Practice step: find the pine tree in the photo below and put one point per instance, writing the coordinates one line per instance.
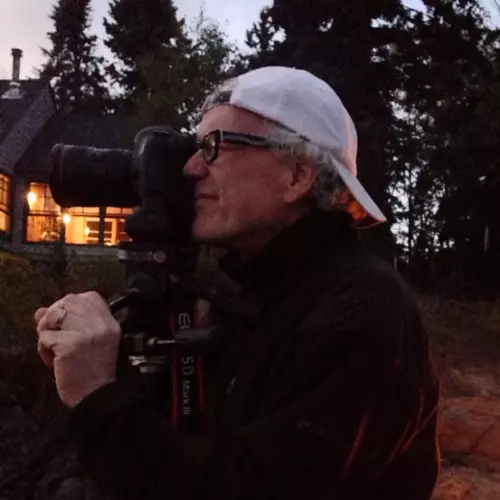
(449, 86)
(421, 86)
(75, 71)
(176, 78)
(347, 44)
(138, 32)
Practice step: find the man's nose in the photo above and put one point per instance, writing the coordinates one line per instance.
(196, 168)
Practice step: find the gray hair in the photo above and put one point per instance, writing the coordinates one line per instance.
(328, 185)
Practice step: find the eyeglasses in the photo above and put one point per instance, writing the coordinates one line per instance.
(210, 144)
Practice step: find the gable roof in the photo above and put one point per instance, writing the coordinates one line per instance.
(111, 131)
(12, 109)
(26, 108)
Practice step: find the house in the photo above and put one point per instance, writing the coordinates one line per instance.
(30, 125)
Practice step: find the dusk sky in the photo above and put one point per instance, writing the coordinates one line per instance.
(24, 24)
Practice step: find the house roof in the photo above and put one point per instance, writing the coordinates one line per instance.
(12, 109)
(78, 129)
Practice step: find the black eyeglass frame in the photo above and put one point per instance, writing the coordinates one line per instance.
(219, 136)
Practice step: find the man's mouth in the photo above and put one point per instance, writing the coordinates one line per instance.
(204, 196)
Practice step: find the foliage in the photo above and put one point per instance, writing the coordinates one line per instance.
(25, 287)
(28, 285)
(347, 44)
(104, 275)
(73, 67)
(179, 77)
(137, 31)
(422, 87)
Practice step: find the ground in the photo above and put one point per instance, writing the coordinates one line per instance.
(36, 461)
(465, 341)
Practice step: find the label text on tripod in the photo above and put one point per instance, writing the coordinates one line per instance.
(188, 370)
(184, 321)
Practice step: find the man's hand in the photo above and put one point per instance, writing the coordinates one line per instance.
(79, 338)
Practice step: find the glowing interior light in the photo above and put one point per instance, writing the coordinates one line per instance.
(66, 218)
(31, 198)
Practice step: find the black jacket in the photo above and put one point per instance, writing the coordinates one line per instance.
(331, 395)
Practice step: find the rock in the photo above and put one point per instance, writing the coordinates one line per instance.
(470, 382)
(463, 483)
(471, 426)
(469, 435)
(452, 486)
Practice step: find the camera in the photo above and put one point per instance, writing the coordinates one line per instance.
(157, 306)
(148, 177)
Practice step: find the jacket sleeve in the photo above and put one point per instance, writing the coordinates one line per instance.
(328, 426)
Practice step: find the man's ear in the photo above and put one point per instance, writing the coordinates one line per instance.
(301, 179)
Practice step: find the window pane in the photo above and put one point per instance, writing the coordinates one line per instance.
(5, 185)
(119, 212)
(115, 221)
(84, 211)
(82, 230)
(44, 215)
(43, 228)
(40, 200)
(114, 231)
(92, 232)
(121, 234)
(109, 239)
(5, 222)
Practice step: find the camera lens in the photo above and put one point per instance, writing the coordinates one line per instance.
(92, 177)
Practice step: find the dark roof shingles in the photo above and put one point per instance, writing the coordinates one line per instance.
(82, 130)
(11, 110)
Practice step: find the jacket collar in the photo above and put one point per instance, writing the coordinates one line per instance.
(268, 274)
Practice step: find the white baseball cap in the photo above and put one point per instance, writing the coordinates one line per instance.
(308, 106)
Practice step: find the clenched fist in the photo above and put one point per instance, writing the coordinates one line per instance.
(79, 338)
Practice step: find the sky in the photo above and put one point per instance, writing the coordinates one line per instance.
(24, 24)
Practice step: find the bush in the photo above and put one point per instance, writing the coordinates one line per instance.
(25, 286)
(104, 275)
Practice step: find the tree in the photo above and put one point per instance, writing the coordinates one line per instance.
(137, 33)
(447, 80)
(72, 66)
(347, 44)
(421, 87)
(178, 78)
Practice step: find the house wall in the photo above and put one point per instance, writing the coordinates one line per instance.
(18, 213)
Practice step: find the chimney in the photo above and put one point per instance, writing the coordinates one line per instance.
(16, 64)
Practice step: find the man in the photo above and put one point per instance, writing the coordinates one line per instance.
(331, 393)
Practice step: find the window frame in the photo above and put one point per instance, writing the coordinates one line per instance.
(8, 208)
(102, 215)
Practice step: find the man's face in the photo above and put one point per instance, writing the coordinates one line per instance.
(242, 198)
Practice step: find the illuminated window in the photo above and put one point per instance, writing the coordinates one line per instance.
(114, 225)
(44, 215)
(5, 210)
(82, 226)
